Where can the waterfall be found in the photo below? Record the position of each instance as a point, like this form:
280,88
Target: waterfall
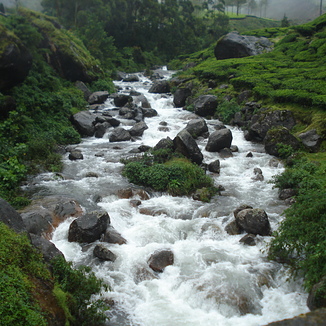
215,279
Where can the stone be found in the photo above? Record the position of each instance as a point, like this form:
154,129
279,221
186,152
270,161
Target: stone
240,208
81,86
248,239
102,253
119,134
89,227
161,86
254,221
214,166
317,295
161,259
121,100
100,129
10,217
311,140
75,154
218,140
197,127
187,146
149,112
164,143
234,45
84,122
232,228
111,235
205,105
180,96
138,129
225,153
287,193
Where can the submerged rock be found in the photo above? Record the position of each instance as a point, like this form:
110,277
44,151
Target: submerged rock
160,259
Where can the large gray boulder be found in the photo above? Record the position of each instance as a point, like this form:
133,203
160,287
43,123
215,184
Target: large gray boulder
119,134
138,129
121,100
278,137
84,123
161,86
205,105
89,227
311,140
234,45
160,259
10,217
180,96
254,221
219,139
187,146
98,97
197,127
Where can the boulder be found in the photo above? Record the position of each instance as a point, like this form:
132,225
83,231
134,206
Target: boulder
98,97
219,139
160,259
142,101
10,217
119,134
81,86
287,193
205,105
131,78
149,112
89,227
313,318
15,60
225,153
311,140
254,221
278,137
38,221
111,235
234,45
180,96
138,129
102,253
47,248
241,208
101,128
214,166
187,146
264,121
75,154
248,239
197,127
258,175
160,86
164,143
121,100
84,121
232,228
317,295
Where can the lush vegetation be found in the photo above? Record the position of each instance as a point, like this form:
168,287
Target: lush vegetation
164,171
26,283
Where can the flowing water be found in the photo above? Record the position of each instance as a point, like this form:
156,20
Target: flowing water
215,280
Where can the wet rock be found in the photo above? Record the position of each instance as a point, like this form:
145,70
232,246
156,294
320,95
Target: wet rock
165,143
232,228
102,253
249,240
135,202
38,221
317,296
205,105
234,148
89,227
75,154
101,128
160,259
98,97
84,123
287,193
138,129
258,175
249,155
142,101
180,96
91,175
47,248
143,274
274,162
311,140
149,112
240,208
131,192
160,86
144,148
131,78
152,211
218,140
225,153
280,136
111,235
313,318
234,45
121,100
10,217
119,134
214,166
197,127
254,221
187,146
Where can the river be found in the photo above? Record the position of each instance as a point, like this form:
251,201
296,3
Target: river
215,280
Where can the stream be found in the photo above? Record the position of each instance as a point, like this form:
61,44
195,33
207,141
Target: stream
215,279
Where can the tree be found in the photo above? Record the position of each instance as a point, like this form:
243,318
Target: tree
285,22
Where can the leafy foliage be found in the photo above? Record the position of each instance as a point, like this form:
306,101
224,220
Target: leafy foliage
177,176
301,237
